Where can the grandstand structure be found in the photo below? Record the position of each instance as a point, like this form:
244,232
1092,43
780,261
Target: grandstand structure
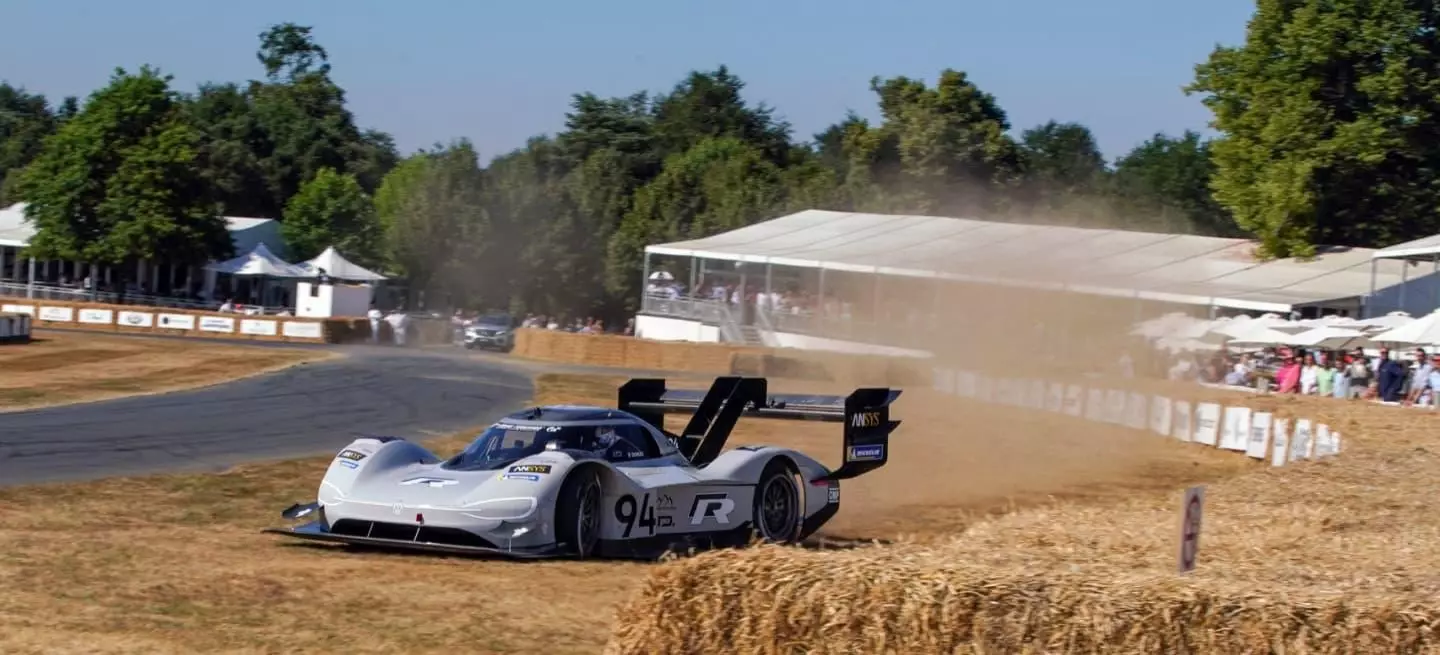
1199,274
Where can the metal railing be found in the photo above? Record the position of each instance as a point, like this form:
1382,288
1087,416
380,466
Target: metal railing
77,294
725,316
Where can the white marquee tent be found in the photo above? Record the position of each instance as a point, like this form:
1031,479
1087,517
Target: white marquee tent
259,262
340,268
1185,269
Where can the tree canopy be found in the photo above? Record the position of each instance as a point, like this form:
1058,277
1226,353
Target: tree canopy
1325,115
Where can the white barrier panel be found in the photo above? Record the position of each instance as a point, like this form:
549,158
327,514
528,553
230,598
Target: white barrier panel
1236,429
1136,411
1280,453
1115,407
1301,441
1207,423
984,389
1095,405
1183,421
1324,441
1074,405
1055,398
1259,444
944,380
1160,415
1037,394
965,384
1260,435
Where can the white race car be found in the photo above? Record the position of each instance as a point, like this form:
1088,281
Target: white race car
582,481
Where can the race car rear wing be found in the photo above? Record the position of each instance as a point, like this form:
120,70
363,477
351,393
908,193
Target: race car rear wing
865,414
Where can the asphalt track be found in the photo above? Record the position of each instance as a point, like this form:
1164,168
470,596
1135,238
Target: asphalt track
311,409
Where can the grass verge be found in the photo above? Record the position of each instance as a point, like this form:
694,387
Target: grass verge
64,368
176,563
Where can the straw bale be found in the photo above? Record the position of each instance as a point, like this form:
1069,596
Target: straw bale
1327,556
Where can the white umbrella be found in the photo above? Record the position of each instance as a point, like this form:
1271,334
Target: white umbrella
1333,338
1331,320
1162,326
663,276
1261,335
1387,322
1424,330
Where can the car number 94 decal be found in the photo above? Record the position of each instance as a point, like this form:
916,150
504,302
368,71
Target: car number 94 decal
638,516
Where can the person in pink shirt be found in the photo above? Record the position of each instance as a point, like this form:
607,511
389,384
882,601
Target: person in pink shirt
1287,377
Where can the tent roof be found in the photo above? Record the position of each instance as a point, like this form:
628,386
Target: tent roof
259,261
1167,267
340,268
1426,247
245,233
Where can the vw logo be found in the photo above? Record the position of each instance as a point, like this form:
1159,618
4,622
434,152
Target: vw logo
397,508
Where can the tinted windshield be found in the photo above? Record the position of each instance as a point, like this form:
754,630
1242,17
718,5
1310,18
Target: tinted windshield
503,443
502,320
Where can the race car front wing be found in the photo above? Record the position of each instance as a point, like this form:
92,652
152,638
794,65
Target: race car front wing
396,537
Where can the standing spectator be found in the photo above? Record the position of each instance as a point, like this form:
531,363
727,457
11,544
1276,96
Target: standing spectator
374,315
457,327
1287,377
1419,376
399,322
1360,374
1309,376
1390,376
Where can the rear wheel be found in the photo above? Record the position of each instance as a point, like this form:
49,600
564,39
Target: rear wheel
777,503
577,513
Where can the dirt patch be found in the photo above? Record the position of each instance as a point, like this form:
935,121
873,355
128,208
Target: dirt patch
176,563
1318,557
63,368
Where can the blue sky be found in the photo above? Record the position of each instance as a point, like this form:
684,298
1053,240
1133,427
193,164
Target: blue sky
500,72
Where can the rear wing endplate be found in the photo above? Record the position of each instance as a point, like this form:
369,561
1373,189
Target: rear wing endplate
865,415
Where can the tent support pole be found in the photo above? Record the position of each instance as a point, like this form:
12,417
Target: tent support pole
645,282
1435,268
695,276
1369,297
1404,281
30,284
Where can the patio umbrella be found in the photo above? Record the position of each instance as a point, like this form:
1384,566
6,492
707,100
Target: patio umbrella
1424,330
1333,338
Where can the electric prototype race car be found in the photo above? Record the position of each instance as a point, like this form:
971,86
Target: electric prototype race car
581,481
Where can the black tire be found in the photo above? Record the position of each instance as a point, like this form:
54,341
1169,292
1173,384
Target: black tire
778,512
577,513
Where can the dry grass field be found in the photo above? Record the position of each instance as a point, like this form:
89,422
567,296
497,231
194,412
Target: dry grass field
1334,556
61,368
176,563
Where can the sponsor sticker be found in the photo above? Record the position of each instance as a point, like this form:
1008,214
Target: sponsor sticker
349,464
521,476
865,420
352,455
834,493
542,469
866,453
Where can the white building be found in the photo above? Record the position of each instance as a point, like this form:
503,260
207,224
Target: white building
20,275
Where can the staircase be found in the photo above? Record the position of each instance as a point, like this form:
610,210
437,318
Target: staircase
751,336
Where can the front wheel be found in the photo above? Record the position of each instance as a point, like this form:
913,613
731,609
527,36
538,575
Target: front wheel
778,514
577,513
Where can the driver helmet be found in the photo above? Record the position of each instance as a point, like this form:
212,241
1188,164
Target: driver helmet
605,437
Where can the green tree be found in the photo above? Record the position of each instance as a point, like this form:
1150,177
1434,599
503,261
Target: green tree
304,125
720,184
1328,116
939,150
332,210
117,182
25,121
1063,163
1168,179
432,212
